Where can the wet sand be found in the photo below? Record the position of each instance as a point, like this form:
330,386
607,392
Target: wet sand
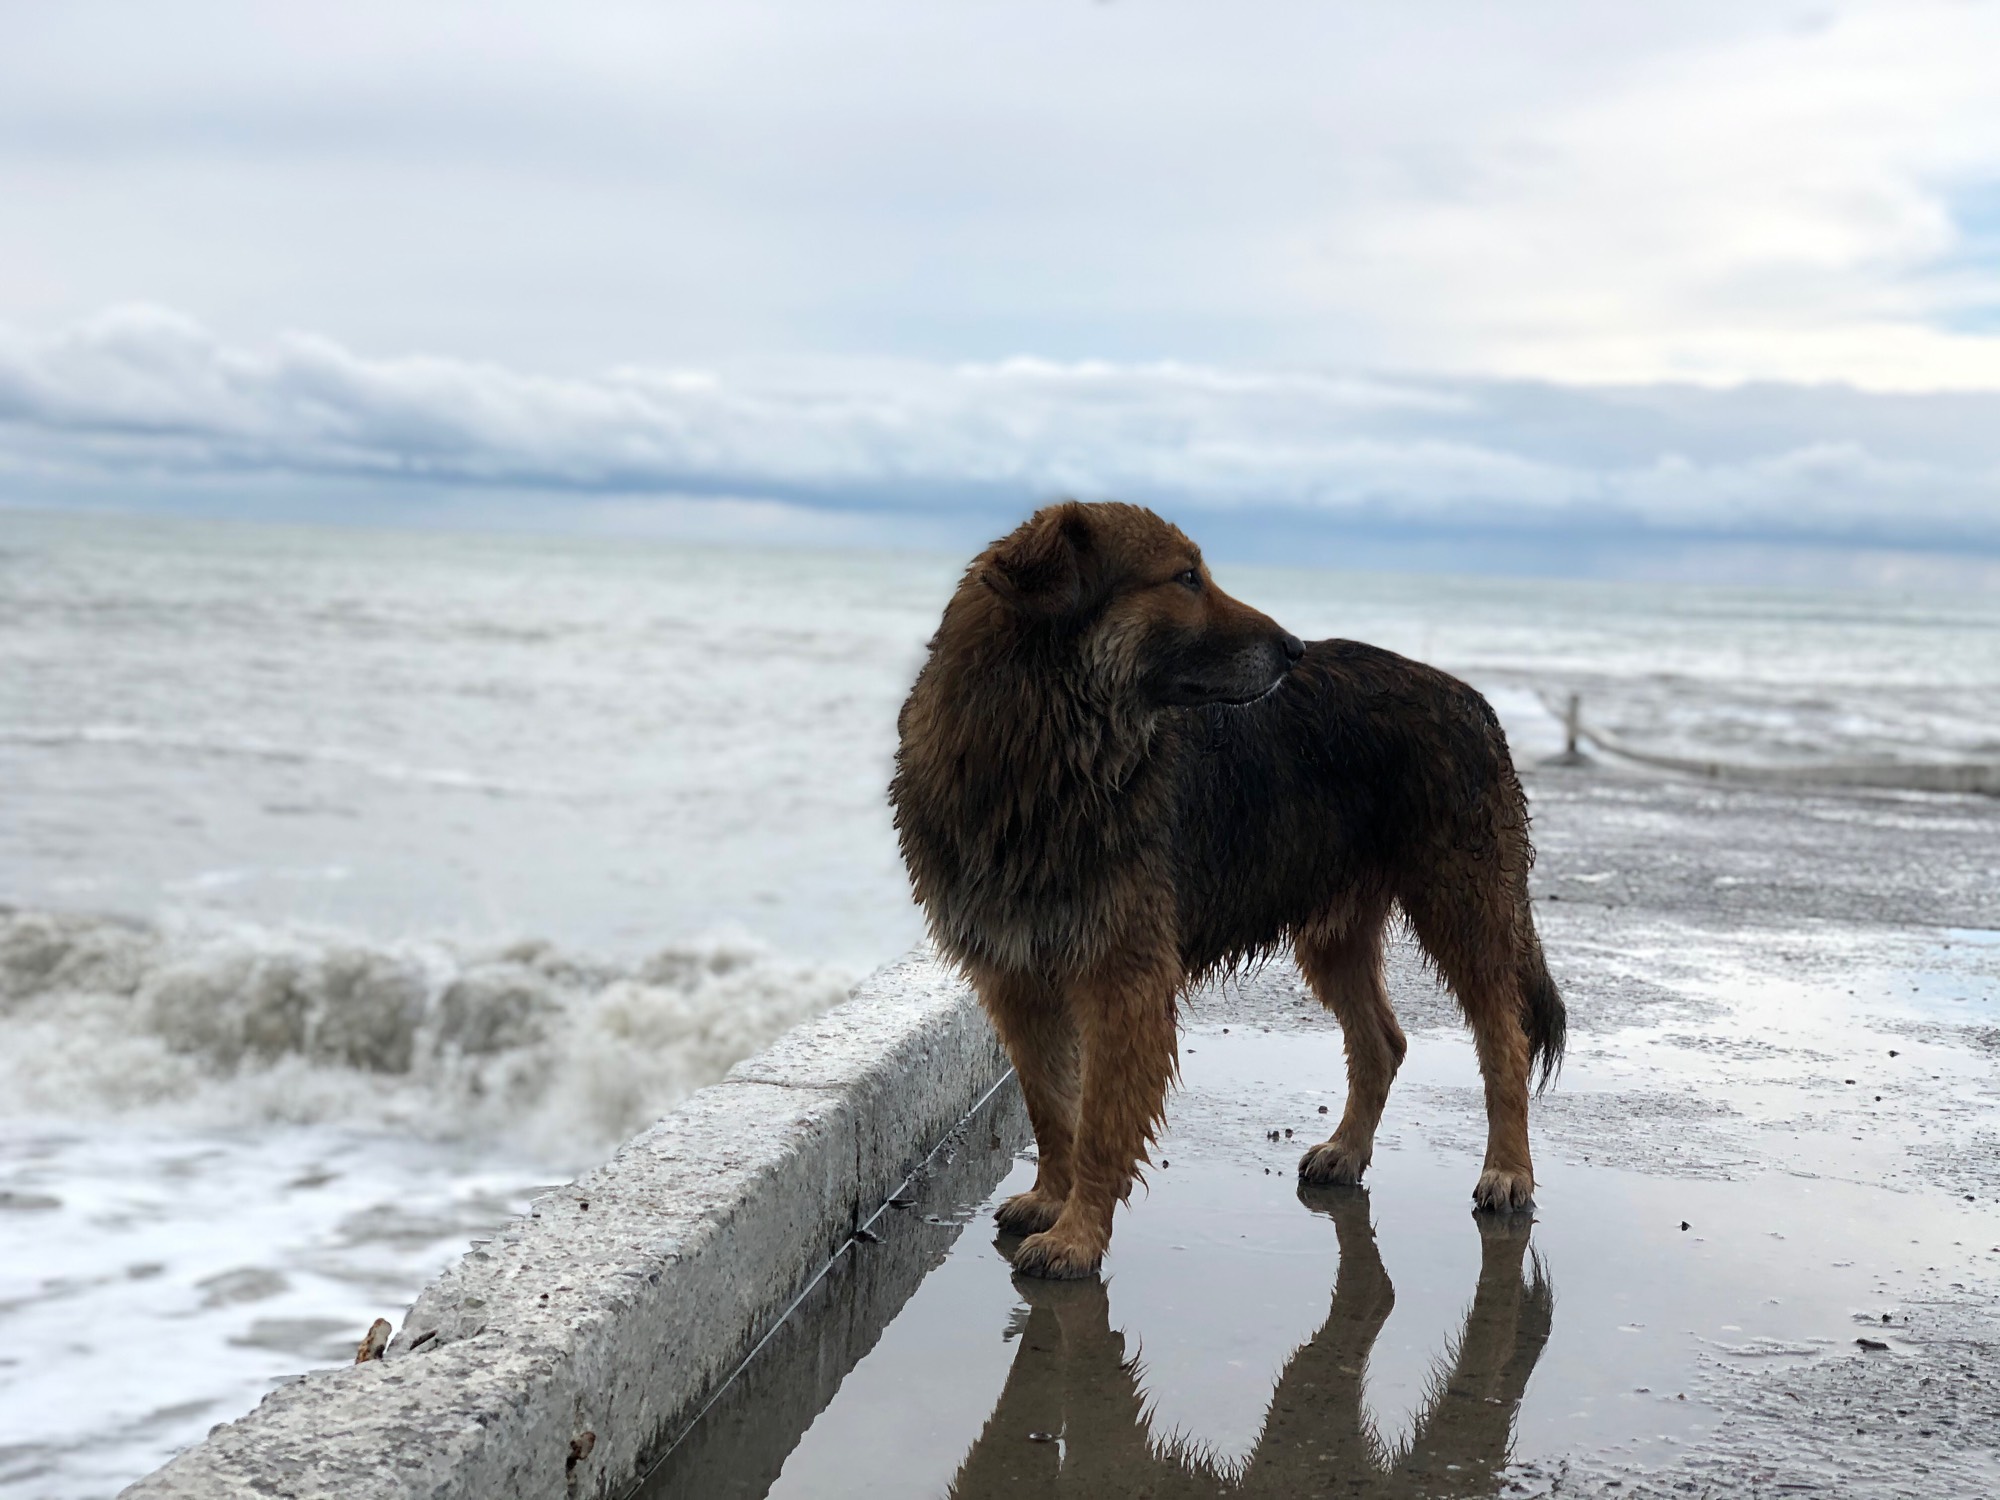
1765,1257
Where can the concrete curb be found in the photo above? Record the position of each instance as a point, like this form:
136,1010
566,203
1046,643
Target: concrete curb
742,1441
560,1357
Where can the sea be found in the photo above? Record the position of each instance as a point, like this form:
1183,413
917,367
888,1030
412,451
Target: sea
356,884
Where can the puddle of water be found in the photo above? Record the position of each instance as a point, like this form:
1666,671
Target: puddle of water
874,1331
1249,1340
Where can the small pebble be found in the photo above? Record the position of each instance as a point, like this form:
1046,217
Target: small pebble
1684,1223
1871,1343
1322,1109
1041,1437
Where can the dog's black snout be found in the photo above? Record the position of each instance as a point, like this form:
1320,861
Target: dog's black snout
1294,648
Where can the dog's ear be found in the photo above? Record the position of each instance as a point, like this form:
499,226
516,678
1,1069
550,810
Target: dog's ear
1046,566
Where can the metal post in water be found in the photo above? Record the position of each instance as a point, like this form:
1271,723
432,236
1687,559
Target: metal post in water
1572,722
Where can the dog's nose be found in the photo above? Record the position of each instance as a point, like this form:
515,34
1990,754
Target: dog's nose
1294,648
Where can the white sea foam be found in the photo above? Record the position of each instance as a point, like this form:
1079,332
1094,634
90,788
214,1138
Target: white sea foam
226,1148
224,1025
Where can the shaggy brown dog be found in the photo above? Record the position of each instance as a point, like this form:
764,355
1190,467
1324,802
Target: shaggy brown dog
1115,781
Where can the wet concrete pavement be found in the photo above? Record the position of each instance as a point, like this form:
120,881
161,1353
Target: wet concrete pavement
1765,1257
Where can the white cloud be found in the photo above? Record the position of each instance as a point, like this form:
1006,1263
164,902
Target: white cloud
142,391
1777,206
1716,190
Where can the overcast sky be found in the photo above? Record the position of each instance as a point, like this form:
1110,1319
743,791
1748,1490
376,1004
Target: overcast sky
1312,272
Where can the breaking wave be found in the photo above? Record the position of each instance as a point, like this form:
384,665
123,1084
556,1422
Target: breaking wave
233,1026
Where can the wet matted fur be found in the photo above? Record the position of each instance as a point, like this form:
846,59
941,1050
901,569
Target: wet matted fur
1114,781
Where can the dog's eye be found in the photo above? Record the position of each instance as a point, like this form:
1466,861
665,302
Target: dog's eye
1191,579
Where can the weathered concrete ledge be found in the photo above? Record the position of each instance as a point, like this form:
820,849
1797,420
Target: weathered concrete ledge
559,1357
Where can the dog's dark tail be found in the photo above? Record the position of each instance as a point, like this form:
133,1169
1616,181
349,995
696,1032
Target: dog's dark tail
1542,1015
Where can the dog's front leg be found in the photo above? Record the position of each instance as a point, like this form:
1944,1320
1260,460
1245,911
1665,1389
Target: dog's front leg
1040,1036
1125,1022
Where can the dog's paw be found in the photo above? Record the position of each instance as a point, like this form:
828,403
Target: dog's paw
1056,1257
1503,1192
1333,1164
1028,1213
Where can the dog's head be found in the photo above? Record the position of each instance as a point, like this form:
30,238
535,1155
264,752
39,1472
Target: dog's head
1131,592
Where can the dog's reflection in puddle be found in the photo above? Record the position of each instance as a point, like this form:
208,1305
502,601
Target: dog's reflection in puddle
1073,1418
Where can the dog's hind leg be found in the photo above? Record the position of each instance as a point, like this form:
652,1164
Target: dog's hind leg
1126,1021
1469,933
1041,1041
1507,1180
1344,968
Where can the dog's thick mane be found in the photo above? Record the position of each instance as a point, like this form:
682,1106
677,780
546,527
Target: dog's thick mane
1060,730
1017,779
